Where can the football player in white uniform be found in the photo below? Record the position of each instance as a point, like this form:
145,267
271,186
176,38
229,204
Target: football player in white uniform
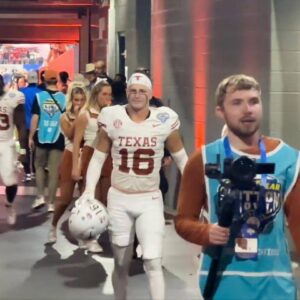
11,114
136,135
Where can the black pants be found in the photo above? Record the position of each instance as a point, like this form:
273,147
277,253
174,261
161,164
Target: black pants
29,164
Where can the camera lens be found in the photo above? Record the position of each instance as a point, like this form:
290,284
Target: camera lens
243,170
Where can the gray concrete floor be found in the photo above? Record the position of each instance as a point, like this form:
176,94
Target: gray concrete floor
32,270
29,269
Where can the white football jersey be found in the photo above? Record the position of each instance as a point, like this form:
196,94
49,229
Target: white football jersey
137,148
8,102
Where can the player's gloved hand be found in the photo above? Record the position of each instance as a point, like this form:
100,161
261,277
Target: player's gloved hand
85,195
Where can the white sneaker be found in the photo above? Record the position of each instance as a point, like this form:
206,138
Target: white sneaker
27,178
50,207
38,202
11,215
94,247
52,235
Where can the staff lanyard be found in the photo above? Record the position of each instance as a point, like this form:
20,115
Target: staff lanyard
262,150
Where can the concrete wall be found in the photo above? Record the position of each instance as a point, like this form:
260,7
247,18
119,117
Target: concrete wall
239,42
194,45
285,71
131,17
172,61
201,42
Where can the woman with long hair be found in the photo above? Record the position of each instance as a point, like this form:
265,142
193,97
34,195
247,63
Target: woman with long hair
86,128
77,99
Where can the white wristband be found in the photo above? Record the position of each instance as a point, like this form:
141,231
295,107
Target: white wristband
180,157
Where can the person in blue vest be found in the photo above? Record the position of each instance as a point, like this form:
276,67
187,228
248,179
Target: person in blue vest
47,138
252,252
30,91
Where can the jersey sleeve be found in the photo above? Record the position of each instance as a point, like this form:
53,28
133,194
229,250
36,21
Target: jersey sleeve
16,98
172,122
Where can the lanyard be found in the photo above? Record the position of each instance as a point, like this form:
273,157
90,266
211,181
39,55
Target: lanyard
262,150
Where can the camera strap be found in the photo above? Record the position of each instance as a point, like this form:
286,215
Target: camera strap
262,150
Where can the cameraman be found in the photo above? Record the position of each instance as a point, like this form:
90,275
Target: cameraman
254,261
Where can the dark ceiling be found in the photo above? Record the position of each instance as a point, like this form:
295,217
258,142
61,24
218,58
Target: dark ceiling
38,21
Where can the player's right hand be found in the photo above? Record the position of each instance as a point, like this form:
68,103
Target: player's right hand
218,235
85,195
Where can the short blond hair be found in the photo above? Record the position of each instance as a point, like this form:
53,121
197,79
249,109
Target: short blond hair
235,83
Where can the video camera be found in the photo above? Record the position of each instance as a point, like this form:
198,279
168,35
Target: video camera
240,171
238,176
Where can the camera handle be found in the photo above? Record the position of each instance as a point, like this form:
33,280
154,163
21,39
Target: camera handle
225,220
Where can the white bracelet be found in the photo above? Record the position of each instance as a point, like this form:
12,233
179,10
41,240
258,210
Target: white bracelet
22,151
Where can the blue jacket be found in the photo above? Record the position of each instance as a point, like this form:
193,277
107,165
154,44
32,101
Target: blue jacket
30,91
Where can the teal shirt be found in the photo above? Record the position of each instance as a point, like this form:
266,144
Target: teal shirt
49,121
270,275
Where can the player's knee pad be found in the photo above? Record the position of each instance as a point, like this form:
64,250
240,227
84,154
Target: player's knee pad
11,192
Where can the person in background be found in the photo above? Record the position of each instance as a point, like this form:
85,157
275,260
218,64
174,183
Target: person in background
30,91
254,261
11,114
42,85
67,184
119,92
63,82
100,69
21,82
120,77
90,75
86,128
46,136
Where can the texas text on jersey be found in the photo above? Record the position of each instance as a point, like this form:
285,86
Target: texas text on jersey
137,148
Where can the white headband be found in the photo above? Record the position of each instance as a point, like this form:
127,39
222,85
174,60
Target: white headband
140,78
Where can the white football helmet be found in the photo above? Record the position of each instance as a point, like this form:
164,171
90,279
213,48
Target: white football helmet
88,219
